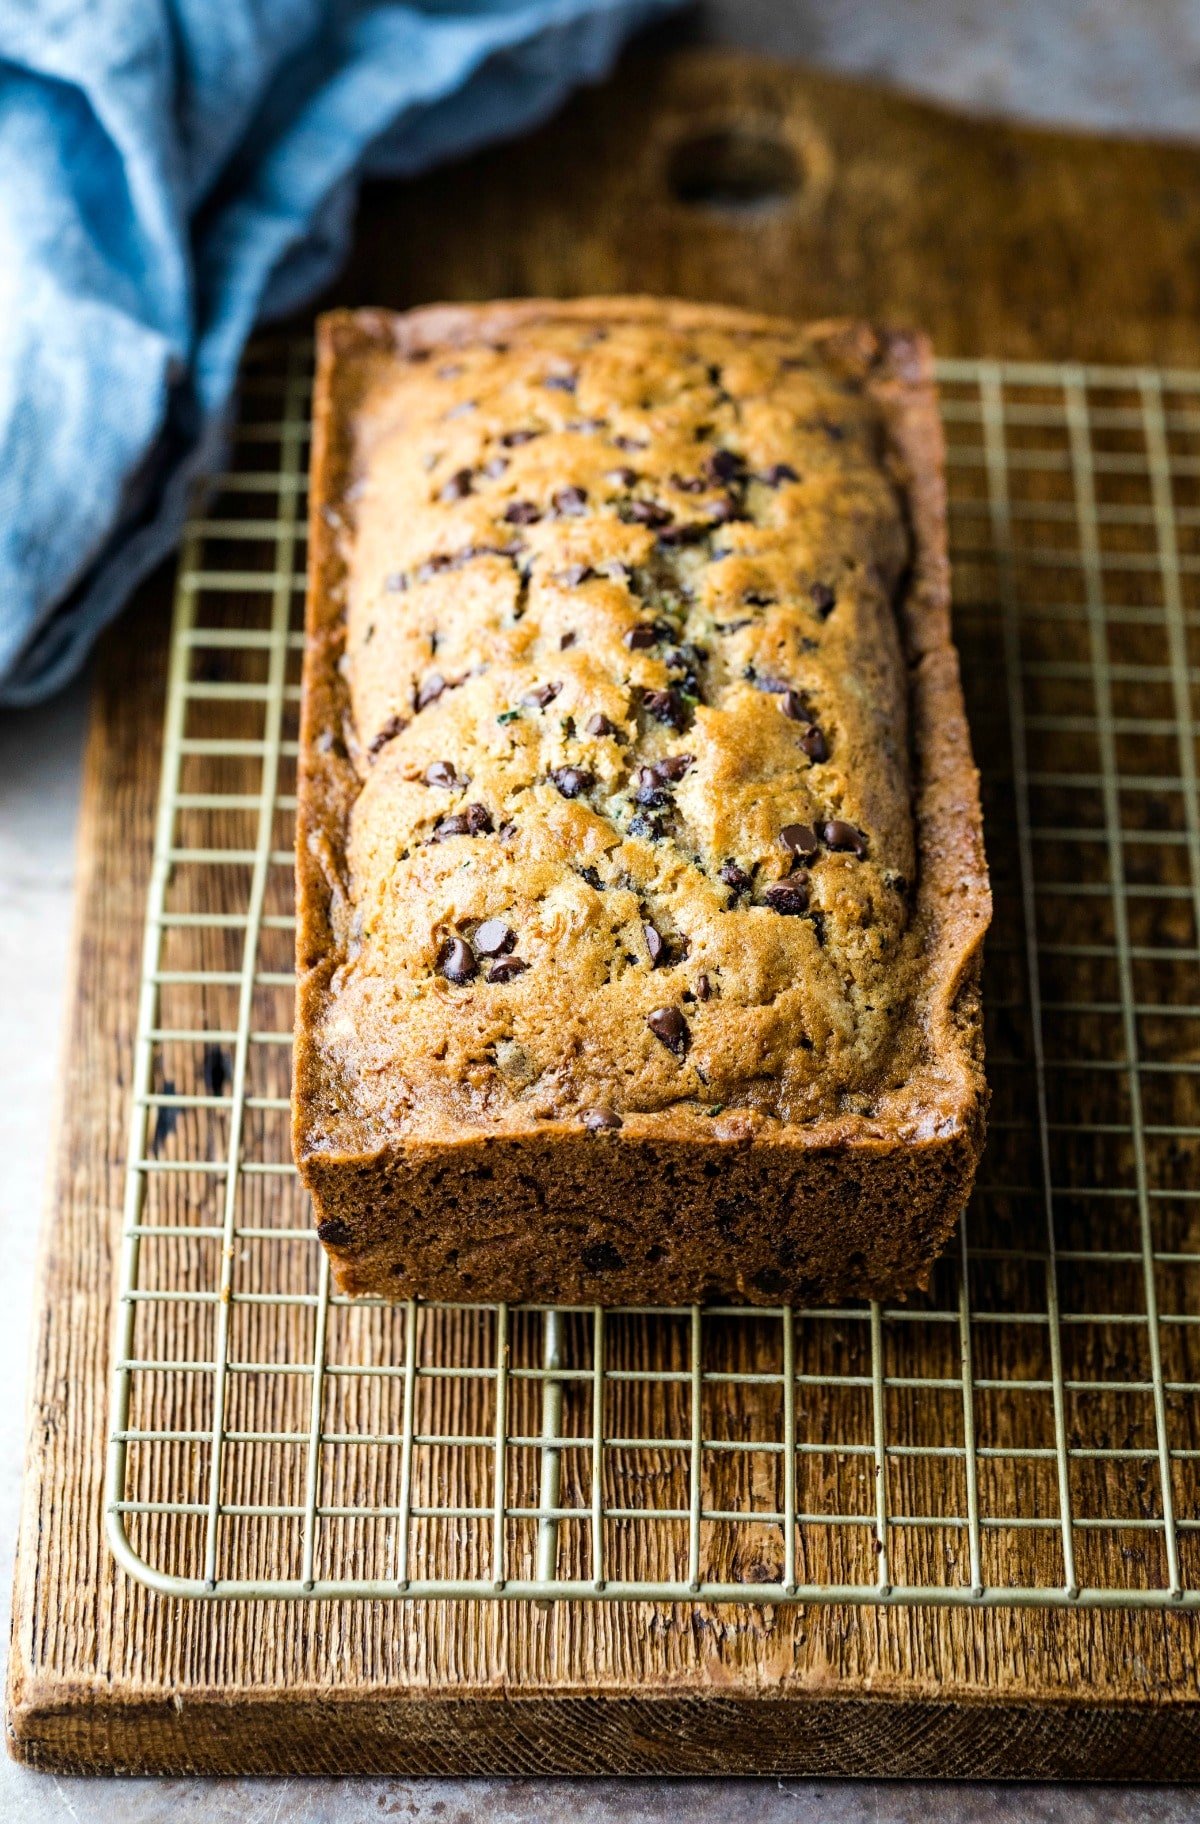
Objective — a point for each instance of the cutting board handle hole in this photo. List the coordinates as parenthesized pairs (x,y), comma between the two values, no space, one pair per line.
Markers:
(733,171)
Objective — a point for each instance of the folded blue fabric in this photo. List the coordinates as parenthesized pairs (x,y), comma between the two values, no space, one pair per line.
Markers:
(171,172)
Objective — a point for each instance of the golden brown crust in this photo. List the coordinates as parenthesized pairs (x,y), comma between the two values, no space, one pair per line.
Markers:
(883,1133)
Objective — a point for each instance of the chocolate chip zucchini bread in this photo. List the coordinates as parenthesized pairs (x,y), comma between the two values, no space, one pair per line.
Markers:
(641,883)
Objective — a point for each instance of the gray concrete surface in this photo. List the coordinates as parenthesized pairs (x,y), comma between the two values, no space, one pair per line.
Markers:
(1097,63)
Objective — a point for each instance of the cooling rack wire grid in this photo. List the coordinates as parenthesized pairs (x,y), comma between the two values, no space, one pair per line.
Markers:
(1026,1433)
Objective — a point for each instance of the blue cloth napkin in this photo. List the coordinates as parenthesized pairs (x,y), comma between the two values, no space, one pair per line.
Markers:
(171,172)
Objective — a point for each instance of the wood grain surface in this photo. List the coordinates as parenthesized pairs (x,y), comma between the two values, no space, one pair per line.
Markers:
(999,241)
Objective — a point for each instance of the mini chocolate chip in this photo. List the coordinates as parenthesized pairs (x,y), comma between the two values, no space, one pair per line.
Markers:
(333,1232)
(453,825)
(441,560)
(777,474)
(457,962)
(775,686)
(650,791)
(430,689)
(570,500)
(495,467)
(440,772)
(645,633)
(599,725)
(507,831)
(673,766)
(656,945)
(507,969)
(681,535)
(479,820)
(574,574)
(627,443)
(669,1025)
(823,599)
(723,465)
(788,897)
(572,780)
(458,486)
(522,513)
(511,439)
(396,583)
(703,988)
(596,1120)
(813,741)
(799,839)
(794,705)
(621,478)
(494,938)
(568,640)
(538,699)
(645,513)
(734,877)
(592,877)
(667,706)
(688,484)
(839,835)
(561,383)
(394,726)
(754,598)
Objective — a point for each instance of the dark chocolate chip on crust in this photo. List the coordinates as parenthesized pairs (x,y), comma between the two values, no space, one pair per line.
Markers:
(494,938)
(457,962)
(570,500)
(656,946)
(571,780)
(395,725)
(507,969)
(334,1232)
(666,706)
(788,897)
(812,740)
(799,839)
(600,725)
(598,1120)
(476,820)
(723,465)
(777,474)
(429,690)
(458,486)
(734,877)
(645,513)
(844,836)
(541,696)
(668,1025)
(522,513)
(442,773)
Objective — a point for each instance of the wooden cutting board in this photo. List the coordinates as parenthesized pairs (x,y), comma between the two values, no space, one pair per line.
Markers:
(712,176)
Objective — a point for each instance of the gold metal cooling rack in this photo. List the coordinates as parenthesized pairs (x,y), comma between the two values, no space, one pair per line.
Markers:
(1027,1433)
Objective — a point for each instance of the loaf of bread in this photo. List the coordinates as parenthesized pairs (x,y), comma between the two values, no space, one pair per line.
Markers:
(641,883)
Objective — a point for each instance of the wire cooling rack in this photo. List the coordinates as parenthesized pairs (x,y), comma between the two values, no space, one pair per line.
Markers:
(1026,1433)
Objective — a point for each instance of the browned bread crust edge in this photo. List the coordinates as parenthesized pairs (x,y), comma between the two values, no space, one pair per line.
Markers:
(850,1206)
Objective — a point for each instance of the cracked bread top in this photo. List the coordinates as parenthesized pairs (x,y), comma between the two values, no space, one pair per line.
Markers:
(618,808)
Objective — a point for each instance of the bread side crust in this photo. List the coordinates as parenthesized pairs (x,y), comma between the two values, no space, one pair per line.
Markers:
(852,1205)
